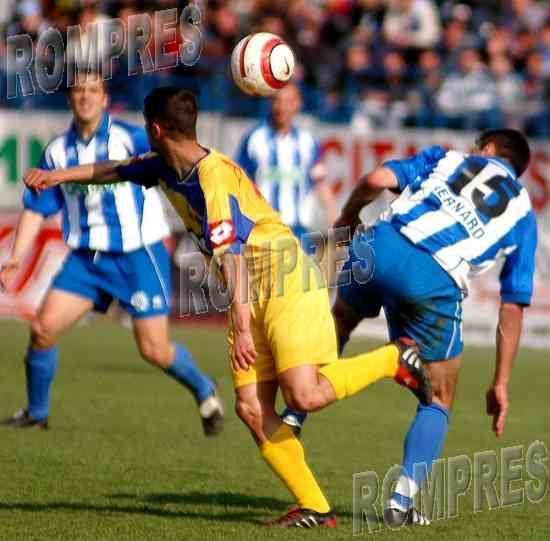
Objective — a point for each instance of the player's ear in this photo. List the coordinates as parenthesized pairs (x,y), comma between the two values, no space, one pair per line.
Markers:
(156,130)
(489,149)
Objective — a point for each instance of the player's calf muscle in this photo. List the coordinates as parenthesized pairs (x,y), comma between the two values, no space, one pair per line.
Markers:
(444,378)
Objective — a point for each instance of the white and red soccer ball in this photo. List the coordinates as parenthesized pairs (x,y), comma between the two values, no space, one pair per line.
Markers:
(261,64)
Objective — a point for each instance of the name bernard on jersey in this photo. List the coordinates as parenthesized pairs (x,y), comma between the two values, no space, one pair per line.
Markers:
(462,210)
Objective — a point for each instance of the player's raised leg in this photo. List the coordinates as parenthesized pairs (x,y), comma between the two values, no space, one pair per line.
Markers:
(58,312)
(345,319)
(284,452)
(153,341)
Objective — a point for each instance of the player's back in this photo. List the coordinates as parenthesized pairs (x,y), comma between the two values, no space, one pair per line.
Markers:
(468,211)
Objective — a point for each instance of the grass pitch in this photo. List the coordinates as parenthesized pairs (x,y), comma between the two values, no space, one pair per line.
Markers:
(125,458)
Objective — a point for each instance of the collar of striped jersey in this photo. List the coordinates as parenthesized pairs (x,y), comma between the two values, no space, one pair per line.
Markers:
(504,163)
(101,132)
(275,133)
(101,136)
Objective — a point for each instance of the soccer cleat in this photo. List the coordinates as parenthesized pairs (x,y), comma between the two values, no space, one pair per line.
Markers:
(304,518)
(411,372)
(211,412)
(396,517)
(22,419)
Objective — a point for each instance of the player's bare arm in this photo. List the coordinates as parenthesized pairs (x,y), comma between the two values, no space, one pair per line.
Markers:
(234,269)
(27,230)
(367,190)
(507,336)
(104,172)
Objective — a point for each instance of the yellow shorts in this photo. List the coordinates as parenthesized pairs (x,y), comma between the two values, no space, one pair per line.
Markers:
(289,330)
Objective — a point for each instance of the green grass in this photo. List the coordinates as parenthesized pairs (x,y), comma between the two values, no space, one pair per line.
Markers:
(125,457)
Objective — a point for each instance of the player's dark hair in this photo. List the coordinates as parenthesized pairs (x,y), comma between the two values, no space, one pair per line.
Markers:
(174,108)
(510,145)
(88,75)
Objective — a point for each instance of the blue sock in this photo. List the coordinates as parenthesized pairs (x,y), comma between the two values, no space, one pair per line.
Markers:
(423,444)
(300,416)
(40,367)
(184,370)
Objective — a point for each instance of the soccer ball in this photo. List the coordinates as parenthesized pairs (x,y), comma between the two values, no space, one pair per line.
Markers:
(261,64)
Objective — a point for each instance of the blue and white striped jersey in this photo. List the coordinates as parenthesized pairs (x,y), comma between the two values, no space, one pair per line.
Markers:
(118,217)
(281,166)
(469,212)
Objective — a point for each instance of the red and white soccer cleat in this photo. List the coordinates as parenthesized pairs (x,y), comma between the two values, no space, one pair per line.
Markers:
(411,372)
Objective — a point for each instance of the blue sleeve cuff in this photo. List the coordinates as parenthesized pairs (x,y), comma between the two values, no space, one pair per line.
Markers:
(524,299)
(396,168)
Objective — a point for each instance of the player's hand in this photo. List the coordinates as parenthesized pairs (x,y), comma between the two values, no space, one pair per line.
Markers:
(39,179)
(243,352)
(7,272)
(497,406)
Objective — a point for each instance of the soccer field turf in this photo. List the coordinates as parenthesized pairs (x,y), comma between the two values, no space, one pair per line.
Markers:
(126,459)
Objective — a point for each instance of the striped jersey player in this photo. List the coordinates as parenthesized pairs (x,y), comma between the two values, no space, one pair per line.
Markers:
(116,234)
(285,162)
(456,216)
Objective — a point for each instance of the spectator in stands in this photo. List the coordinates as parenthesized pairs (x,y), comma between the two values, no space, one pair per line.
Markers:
(525,14)
(468,96)
(412,24)
(359,73)
(544,46)
(29,19)
(535,81)
(335,74)
(422,96)
(509,87)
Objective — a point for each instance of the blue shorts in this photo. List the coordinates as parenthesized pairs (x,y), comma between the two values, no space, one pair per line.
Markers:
(140,280)
(420,300)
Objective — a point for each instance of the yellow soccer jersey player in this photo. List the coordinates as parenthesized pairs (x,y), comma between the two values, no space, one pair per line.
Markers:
(226,213)
(281,333)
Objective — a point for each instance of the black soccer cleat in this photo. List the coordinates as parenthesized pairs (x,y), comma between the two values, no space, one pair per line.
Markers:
(411,372)
(396,518)
(304,518)
(22,419)
(211,412)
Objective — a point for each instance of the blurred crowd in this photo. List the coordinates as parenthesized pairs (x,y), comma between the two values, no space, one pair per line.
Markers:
(375,63)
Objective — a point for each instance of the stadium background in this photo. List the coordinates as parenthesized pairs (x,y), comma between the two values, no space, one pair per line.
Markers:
(380,79)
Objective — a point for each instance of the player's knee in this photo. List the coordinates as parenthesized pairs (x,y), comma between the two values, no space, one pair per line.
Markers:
(443,393)
(156,352)
(43,335)
(301,400)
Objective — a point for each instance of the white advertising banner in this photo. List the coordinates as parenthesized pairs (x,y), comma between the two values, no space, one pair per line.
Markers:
(347,156)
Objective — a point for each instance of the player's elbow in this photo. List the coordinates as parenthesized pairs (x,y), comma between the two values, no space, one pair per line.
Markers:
(381,178)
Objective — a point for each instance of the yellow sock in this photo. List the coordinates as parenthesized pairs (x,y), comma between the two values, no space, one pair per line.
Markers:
(351,375)
(284,452)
